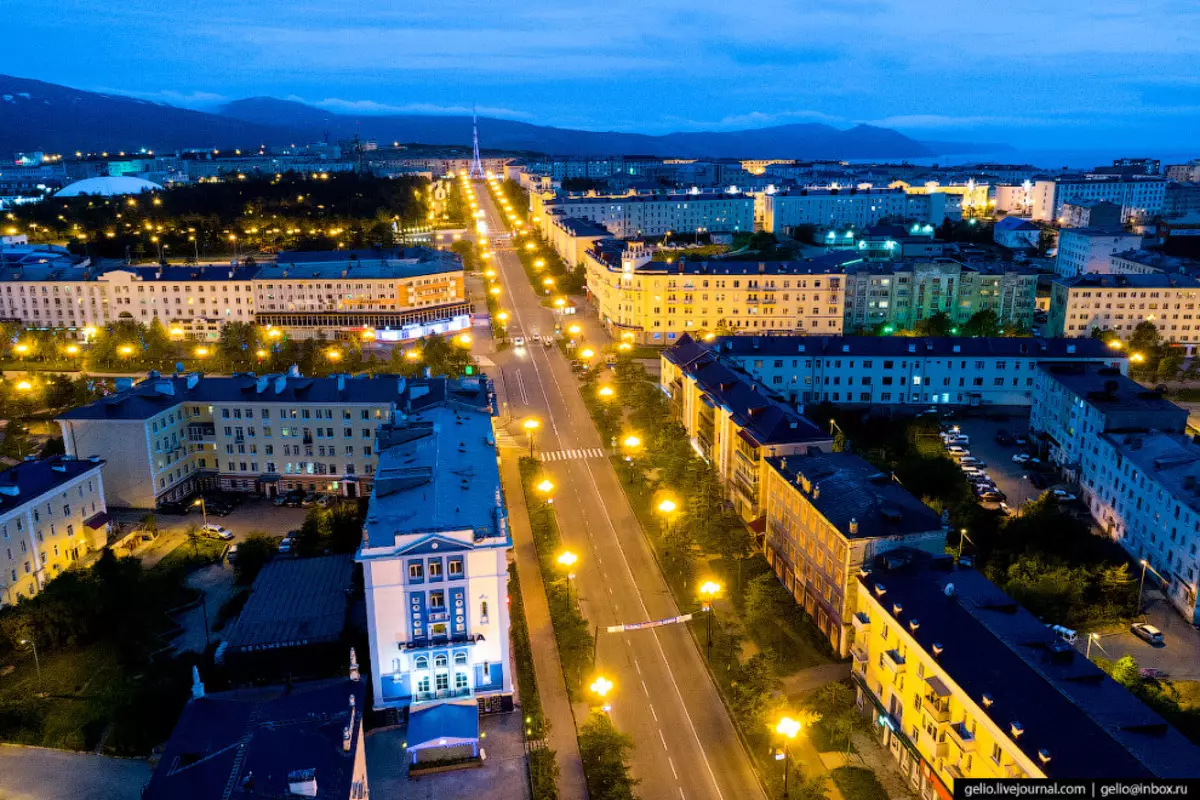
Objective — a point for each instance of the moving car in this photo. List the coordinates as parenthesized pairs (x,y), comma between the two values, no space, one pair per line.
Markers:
(518,341)
(215,531)
(1147,633)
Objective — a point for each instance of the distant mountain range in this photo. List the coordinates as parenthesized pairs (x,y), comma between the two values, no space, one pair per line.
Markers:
(35,115)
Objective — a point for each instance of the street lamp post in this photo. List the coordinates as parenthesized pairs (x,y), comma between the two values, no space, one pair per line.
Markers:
(632,443)
(601,687)
(37,664)
(709,591)
(1142,582)
(567,561)
(962,537)
(788,728)
(531,425)
(203,510)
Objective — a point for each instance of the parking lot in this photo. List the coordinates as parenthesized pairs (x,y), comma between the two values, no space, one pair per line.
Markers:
(1181,642)
(1010,478)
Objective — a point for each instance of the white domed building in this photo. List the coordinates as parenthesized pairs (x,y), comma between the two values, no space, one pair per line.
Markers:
(109,186)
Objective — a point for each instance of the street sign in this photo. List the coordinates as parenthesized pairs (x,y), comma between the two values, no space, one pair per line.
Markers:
(654,623)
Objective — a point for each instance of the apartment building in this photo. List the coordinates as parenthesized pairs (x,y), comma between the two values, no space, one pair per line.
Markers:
(434,556)
(902,293)
(961,682)
(827,516)
(1150,262)
(1119,302)
(169,436)
(402,293)
(633,215)
(900,370)
(656,302)
(1090,250)
(571,238)
(73,298)
(52,513)
(732,423)
(1073,403)
(1140,198)
(1090,214)
(840,208)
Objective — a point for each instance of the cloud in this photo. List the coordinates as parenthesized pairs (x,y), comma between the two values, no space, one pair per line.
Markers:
(373,108)
(171,97)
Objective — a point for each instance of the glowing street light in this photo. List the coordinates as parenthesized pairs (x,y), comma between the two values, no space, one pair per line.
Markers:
(668,506)
(176,332)
(1115,344)
(261,354)
(274,333)
(574,330)
(560,303)
(606,393)
(201,352)
(546,490)
(531,425)
(502,317)
(125,350)
(334,354)
(601,687)
(412,354)
(72,349)
(24,386)
(587,353)
(789,729)
(708,592)
(567,559)
(624,347)
(1137,358)
(464,339)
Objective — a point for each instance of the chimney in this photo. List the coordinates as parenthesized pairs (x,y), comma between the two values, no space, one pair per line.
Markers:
(354,676)
(302,782)
(197,684)
(853,526)
(193,379)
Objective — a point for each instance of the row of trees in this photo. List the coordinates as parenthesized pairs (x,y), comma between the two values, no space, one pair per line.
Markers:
(1152,358)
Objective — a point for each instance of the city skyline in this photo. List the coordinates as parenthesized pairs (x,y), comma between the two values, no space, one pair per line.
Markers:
(657,69)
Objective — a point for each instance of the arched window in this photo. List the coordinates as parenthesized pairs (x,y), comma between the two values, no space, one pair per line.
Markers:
(440,660)
(422,662)
(460,659)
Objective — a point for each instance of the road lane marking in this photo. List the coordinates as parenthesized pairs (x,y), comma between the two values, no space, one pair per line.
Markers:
(636,665)
(647,693)
(672,763)
(662,738)
(652,712)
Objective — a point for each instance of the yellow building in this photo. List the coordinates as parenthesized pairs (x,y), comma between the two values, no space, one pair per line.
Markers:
(656,302)
(961,682)
(973,198)
(731,423)
(1120,303)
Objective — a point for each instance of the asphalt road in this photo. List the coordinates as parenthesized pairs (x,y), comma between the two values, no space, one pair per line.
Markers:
(686,746)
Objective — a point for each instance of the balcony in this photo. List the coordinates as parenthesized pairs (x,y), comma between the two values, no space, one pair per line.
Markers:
(938,708)
(441,694)
(962,737)
(859,654)
(894,661)
(861,622)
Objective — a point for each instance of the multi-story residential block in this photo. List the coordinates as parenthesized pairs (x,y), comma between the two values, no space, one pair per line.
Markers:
(962,683)
(656,302)
(1016,233)
(902,370)
(827,516)
(1074,403)
(731,422)
(73,298)
(1119,302)
(403,293)
(1090,214)
(1090,250)
(571,238)
(169,436)
(1015,199)
(1182,199)
(903,293)
(1151,262)
(435,574)
(1141,488)
(1184,173)
(634,215)
(52,513)
(840,208)
(1139,197)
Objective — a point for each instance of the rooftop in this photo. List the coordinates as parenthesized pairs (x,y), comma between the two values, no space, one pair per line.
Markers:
(1107,389)
(1090,725)
(157,394)
(30,480)
(763,420)
(1099,233)
(654,198)
(294,602)
(1170,459)
(1095,280)
(389,263)
(580,227)
(1015,224)
(850,492)
(929,346)
(437,473)
(1160,261)
(247,743)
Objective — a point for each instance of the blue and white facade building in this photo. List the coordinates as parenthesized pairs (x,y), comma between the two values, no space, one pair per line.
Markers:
(434,556)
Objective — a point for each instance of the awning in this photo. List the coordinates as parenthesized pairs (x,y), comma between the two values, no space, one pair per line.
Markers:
(99,521)
(937,687)
(443,725)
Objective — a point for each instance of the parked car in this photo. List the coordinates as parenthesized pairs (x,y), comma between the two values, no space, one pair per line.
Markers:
(1021,458)
(993,496)
(1063,496)
(214,531)
(325,501)
(1152,673)
(231,554)
(288,542)
(1039,481)
(1020,441)
(959,450)
(279,500)
(972,461)
(294,498)
(1147,633)
(177,507)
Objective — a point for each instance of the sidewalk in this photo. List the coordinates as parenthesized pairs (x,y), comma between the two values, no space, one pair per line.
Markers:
(546,667)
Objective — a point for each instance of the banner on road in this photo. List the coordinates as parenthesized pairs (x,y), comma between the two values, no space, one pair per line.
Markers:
(654,623)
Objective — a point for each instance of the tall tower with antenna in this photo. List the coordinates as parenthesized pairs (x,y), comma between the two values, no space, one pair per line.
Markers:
(476,164)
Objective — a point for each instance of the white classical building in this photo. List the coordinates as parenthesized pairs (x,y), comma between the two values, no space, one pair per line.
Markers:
(434,556)
(1139,197)
(838,208)
(635,215)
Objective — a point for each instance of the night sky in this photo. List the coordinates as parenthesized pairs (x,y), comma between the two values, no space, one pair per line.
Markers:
(1033,74)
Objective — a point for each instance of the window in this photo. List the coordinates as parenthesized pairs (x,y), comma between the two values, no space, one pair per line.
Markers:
(440,660)
(443,681)
(435,569)
(437,599)
(460,659)
(483,611)
(416,571)
(455,567)
(460,680)
(421,662)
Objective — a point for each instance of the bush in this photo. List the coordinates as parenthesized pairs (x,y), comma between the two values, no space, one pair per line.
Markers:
(857,783)
(605,754)
(252,555)
(543,774)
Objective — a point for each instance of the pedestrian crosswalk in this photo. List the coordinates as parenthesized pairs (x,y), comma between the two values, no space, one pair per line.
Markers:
(505,439)
(569,455)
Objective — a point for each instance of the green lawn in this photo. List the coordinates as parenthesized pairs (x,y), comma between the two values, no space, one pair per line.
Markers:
(206,551)
(857,783)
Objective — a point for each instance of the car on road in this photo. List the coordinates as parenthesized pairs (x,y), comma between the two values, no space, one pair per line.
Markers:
(547,341)
(1021,458)
(1147,633)
(214,531)
(1063,496)
(518,341)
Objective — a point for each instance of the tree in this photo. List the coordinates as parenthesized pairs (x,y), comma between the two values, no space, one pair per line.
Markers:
(1145,338)
(193,537)
(16,443)
(1169,364)
(149,523)
(982,323)
(605,754)
(158,341)
(54,447)
(939,324)
(252,555)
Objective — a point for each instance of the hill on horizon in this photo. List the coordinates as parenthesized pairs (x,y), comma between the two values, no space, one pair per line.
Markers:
(35,115)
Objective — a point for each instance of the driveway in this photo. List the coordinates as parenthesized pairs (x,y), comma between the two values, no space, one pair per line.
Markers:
(33,773)
(1179,658)
(216,582)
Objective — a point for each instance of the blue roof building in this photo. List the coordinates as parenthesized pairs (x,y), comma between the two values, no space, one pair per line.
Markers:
(435,573)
